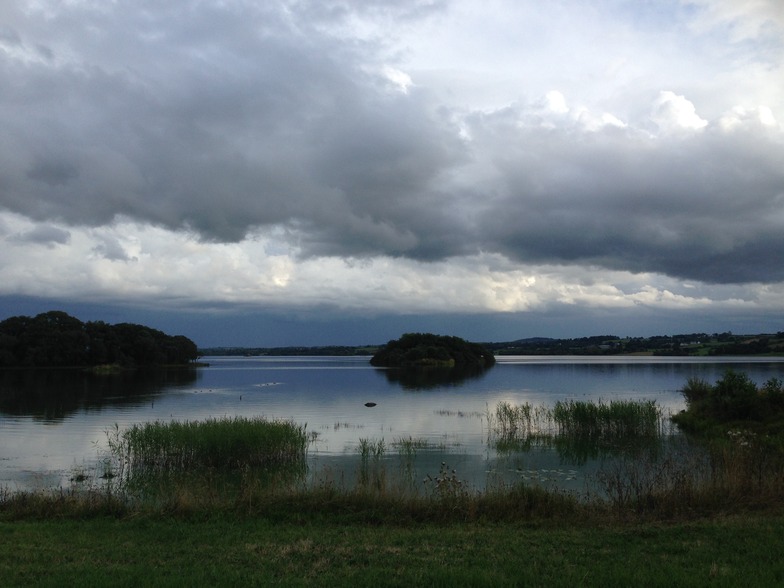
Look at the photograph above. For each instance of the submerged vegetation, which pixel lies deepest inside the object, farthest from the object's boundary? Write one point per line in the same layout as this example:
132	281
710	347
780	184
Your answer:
428	350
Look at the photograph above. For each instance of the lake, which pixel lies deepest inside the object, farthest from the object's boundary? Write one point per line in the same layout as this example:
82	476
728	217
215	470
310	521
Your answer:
53	423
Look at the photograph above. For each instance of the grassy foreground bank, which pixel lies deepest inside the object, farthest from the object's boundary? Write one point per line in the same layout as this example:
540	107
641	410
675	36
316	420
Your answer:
329	551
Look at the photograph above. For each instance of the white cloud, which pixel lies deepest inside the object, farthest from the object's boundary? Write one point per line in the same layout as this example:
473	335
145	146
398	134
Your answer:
742	116
674	113
399	79
556	102
747	19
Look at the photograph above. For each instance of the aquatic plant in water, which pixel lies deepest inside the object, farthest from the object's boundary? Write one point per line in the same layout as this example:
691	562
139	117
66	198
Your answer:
576	429
600	420
226	444
371	472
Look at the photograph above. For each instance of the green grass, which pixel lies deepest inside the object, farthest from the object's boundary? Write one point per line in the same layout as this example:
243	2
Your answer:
332	551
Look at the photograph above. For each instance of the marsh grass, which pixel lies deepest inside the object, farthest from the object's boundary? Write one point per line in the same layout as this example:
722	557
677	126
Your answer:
223	444
681	484
408	446
613	420
577	430
372	474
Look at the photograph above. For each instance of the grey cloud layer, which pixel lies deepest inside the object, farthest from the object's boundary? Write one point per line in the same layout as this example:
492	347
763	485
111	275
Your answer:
222	120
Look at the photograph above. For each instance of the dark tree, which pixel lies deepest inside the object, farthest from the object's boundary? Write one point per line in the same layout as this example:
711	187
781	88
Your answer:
425	349
55	339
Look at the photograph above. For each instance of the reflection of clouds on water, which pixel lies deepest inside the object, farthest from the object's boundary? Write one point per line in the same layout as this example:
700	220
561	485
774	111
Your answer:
450	417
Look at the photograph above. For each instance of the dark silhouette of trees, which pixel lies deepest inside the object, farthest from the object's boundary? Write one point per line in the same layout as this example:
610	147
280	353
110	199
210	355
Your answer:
55	339
425	349
733	399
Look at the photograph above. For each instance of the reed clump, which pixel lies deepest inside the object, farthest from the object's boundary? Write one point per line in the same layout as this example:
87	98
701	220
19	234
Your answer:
519	426
613	420
371	473
572	424
408	446
226	443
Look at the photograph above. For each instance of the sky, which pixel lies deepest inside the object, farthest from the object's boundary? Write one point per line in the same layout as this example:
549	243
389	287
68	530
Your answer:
301	172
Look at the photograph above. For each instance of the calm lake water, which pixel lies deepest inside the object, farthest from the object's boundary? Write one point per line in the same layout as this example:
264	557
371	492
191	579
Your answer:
54	423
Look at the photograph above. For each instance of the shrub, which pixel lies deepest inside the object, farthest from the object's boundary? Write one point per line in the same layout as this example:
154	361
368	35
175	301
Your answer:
734	397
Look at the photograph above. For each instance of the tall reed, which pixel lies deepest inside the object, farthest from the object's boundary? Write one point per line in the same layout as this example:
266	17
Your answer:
574	427
599	420
517	422
371	473
227	443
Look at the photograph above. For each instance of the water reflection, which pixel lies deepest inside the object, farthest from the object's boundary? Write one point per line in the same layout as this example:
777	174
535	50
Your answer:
415	379
52	421
54	395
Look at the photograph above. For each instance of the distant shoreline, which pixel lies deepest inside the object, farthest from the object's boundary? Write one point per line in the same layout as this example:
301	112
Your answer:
688	345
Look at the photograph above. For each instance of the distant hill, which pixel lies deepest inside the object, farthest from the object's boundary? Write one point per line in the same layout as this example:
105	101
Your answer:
696	344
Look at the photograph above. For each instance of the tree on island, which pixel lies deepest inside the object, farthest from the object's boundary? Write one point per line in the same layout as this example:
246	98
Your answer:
734	402
55	339
428	350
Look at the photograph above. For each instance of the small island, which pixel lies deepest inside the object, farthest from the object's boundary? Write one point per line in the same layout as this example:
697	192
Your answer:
414	350
56	340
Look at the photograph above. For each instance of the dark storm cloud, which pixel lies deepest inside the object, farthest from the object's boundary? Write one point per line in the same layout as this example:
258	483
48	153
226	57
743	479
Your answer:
217	120
52	172
226	118
42	235
705	206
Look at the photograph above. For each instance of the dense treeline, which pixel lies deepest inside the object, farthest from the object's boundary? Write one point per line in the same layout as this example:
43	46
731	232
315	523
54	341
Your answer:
595	345
55	339
426	349
733	399
699	344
